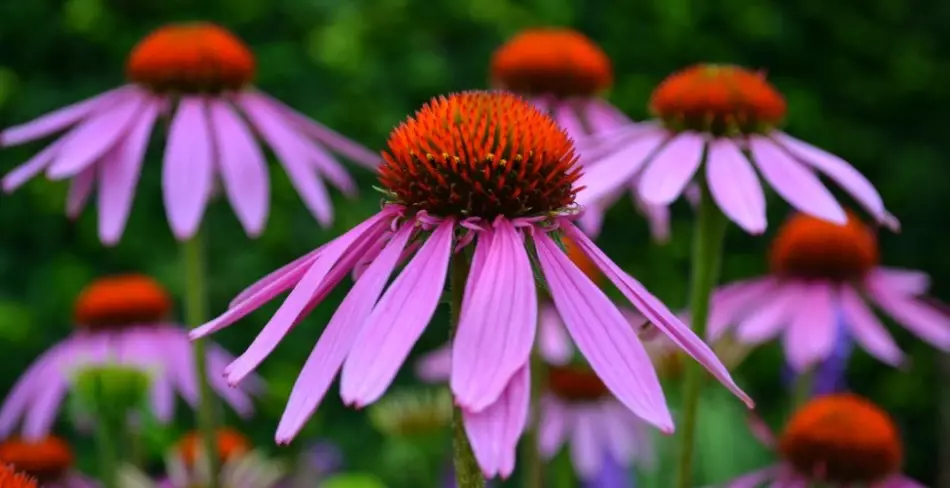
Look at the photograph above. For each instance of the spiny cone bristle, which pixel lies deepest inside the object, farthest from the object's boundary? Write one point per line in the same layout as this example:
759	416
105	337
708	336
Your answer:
481	154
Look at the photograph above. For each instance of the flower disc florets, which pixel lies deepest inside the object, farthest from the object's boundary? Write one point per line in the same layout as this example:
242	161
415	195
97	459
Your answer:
47	459
559	62
722	100
812	248
231	444
576	384
10	478
195	57
120	301
480	154
842	439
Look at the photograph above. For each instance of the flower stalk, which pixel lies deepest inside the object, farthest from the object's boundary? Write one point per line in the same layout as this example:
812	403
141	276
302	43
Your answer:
708	240
534	474
196	312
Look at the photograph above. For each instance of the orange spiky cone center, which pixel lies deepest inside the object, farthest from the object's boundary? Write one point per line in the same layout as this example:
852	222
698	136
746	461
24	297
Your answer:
47	459
811	248
197	57
231	444
576	384
842	439
120	301
9	478
559	62
721	100
480	154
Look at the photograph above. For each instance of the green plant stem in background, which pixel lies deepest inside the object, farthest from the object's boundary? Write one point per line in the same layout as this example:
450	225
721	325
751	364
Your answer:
804	385
708	237
467	472
196	304
109	435
534	472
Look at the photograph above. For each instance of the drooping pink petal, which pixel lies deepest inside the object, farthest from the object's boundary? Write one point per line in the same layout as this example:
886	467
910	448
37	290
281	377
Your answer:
494	432
293	154
553	342
567	117
754	479
497	326
397	320
587	446
731	301
603	117
909	282
327	136
332	170
553	427
866	329
845	175
30	383
91	139
80	188
761	430
339	256
810	337
773	312
162	396
39	417
59	119
188	168
218	360
34	166
119	173
290	275
603	336
242	166
436	366
338	338
794	182
658	216
735	186
479	258
672	168
611	173
656	312
616	428
925	321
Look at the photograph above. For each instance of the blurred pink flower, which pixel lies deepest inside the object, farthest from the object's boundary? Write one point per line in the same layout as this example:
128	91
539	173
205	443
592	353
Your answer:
198	76
49	460
121	320
838	440
563	72
726	116
822	275
468	189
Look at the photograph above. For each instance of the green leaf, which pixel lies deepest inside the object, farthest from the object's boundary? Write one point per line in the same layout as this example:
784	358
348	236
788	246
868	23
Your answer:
353	480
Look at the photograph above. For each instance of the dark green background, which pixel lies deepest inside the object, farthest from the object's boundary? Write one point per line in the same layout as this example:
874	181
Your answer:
867	80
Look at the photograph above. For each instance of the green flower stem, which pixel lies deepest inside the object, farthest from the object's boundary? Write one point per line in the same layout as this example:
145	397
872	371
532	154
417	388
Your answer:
708	240
804	385
534	474
196	312
467	472
108	436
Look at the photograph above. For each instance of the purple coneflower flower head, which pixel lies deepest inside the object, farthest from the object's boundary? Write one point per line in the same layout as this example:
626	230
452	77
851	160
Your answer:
482	170
198	76
122	321
50	461
822	274
722	120
564	73
838	440
241	466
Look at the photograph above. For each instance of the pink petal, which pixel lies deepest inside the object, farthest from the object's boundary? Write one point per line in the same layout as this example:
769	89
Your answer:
592	220
657	313
773	312
658	217
188	170
242	166
609	174
735	186
587	448
287	275
292	151
761	430
34	166
59	119
162	397
553	342
494	432
91	139
119	173
237	398
553	427
909	282
867	330
567	117
479	257
497	325
603	335
810	338
730	302
794	182
436	366
80	188
398	320
332	139
338	338
603	117
28	386
673	167
845	175
927	322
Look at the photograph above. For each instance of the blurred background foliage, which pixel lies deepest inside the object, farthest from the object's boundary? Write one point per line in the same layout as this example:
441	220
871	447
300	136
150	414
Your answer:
866	80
